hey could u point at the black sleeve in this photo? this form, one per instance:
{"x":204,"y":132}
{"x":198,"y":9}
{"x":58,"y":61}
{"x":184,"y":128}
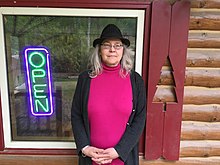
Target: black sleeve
{"x":77,"y":120}
{"x":134,"y":129}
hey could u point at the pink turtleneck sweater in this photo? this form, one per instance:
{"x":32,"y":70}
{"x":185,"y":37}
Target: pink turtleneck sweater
{"x":109,"y":108}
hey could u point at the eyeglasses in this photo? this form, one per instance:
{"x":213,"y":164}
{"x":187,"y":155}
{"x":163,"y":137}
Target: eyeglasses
{"x":109,"y":46}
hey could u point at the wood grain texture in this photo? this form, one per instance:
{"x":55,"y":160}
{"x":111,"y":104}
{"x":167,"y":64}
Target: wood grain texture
{"x":194,"y":76}
{"x":205,"y":4}
{"x":199,"y":148}
{"x":205,"y":113}
{"x":201,"y":57}
{"x":204,"y":39}
{"x":204,"y":19}
{"x":201,"y":95}
{"x":72,"y":160}
{"x":192,"y":95}
{"x":184,"y":161}
{"x":192,"y":130}
{"x":37,"y":160}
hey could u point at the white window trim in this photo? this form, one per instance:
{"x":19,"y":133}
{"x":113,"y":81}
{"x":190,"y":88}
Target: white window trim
{"x":139,"y":14}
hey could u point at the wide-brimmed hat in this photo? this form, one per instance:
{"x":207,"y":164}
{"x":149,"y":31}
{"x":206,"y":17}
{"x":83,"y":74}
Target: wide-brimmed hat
{"x":111,"y":31}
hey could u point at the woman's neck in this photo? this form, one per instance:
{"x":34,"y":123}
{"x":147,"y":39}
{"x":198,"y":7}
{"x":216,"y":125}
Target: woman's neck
{"x":111,"y":68}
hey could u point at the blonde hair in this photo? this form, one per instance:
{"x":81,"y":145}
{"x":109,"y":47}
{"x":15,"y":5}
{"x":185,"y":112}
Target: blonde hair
{"x":95,"y":63}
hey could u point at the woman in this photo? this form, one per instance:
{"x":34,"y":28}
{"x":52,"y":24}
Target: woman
{"x":109,"y":104}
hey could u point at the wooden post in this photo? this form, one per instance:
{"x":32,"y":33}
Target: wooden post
{"x":159,"y":44}
{"x":169,"y":36}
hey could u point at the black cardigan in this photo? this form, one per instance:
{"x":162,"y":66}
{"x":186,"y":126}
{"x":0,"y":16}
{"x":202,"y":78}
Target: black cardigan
{"x":127,"y":147}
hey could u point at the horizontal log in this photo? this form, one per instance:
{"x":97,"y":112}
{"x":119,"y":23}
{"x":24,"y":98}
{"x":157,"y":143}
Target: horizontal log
{"x":206,"y":77}
{"x":37,"y":159}
{"x":184,"y":161}
{"x":72,"y":160}
{"x":166,"y":77}
{"x":205,"y":4}
{"x":200,"y":57}
{"x":203,"y":39}
{"x":194,"y":76}
{"x":192,"y":95}
{"x":164,"y":94}
{"x":192,"y":130}
{"x":199,"y":148}
{"x":204,"y":19}
{"x":206,"y":113}
{"x":201,"y":95}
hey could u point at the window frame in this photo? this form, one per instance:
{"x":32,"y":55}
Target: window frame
{"x":83,"y":5}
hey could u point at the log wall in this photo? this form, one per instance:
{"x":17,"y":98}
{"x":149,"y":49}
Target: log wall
{"x":200,"y":133}
{"x":200,"y":137}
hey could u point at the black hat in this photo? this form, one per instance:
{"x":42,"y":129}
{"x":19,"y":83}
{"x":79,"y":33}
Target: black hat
{"x":111,"y":31}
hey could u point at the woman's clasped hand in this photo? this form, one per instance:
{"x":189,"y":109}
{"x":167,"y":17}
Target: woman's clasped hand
{"x":100,"y":156}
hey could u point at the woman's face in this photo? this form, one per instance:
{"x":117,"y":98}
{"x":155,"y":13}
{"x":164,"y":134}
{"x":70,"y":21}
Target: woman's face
{"x":111,"y":52}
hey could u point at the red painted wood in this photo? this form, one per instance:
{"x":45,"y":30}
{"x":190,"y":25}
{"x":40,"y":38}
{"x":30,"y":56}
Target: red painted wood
{"x":1,"y":127}
{"x":145,"y":66}
{"x":23,"y":151}
{"x":169,"y":32}
{"x":138,"y":4}
{"x":159,"y":45}
{"x":177,"y":55}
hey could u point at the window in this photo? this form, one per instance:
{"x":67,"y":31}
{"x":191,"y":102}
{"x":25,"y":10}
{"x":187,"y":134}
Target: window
{"x":68,"y":34}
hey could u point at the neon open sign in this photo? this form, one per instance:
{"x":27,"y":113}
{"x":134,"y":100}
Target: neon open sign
{"x":38,"y":79}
